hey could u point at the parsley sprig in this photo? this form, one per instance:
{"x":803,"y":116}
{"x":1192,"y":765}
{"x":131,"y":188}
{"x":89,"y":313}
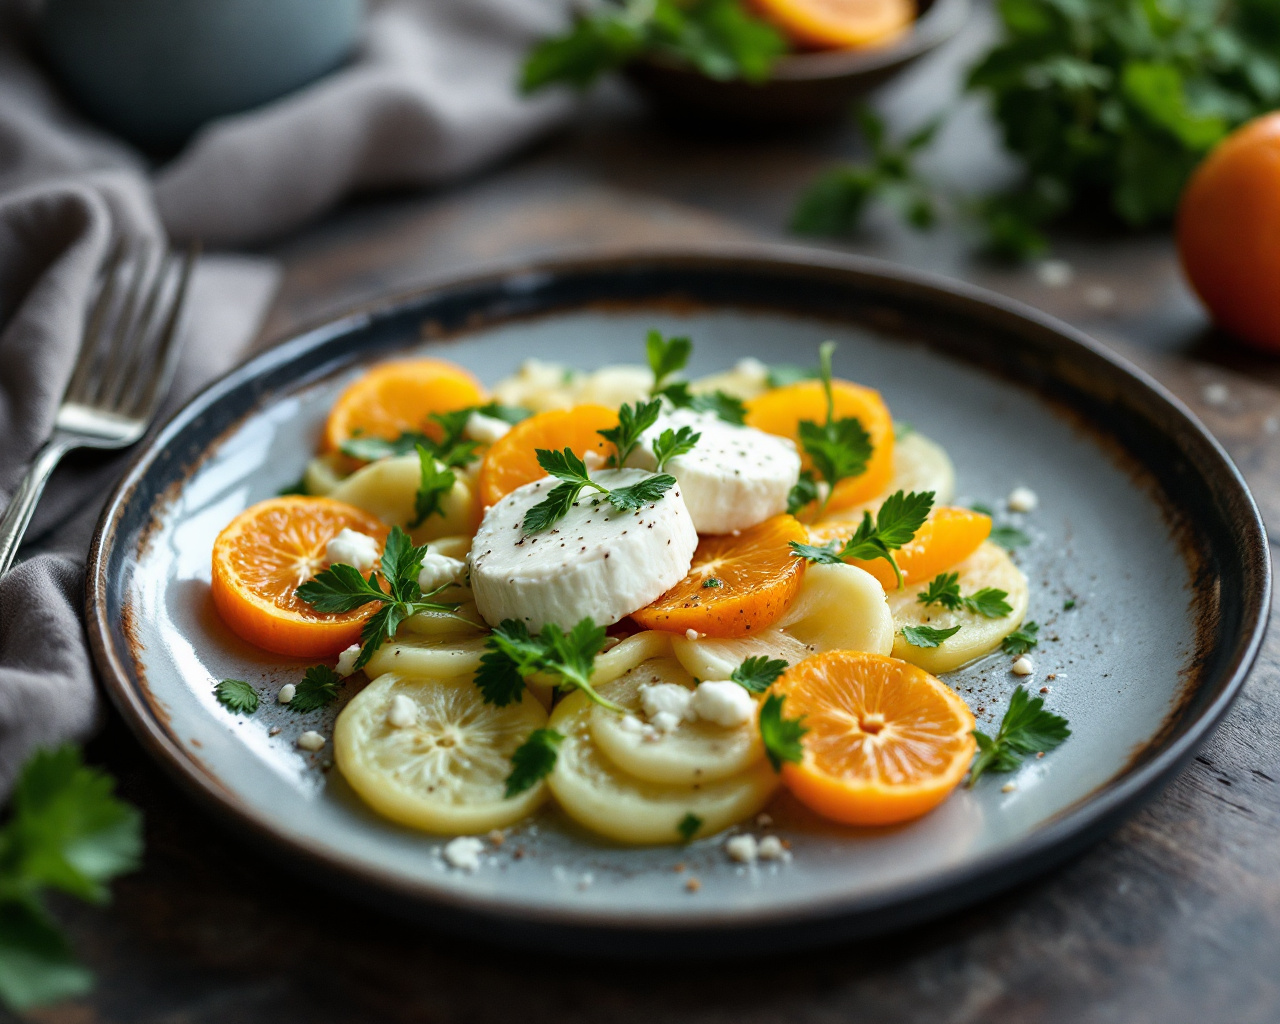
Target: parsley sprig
{"x":757,"y":674}
{"x":1021,"y":640}
{"x":944,"y":589}
{"x":1027,"y":728}
{"x":572,"y":472}
{"x":896,"y":523}
{"x":533,"y":760}
{"x":633,"y":420}
{"x":781,"y":735}
{"x":67,"y":831}
{"x":434,"y":483}
{"x":453,"y":449}
{"x":238,"y":696}
{"x":687,"y":827}
{"x":838,"y":449}
{"x":318,"y":688}
{"x":928,"y":636}
{"x":668,"y":356}
{"x":514,"y":654}
{"x":341,"y":588}
{"x":671,"y":443}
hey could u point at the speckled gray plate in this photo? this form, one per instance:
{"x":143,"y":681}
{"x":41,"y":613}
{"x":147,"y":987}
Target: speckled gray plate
{"x":1143,"y":523}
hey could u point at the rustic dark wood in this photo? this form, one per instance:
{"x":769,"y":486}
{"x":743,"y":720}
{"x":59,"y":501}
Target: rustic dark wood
{"x":1176,"y":918}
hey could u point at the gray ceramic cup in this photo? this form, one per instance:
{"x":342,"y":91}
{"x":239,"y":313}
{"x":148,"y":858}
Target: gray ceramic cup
{"x":155,"y":70}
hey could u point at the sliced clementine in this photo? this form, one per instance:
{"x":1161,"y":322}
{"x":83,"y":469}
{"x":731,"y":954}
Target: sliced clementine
{"x":512,"y":461}
{"x":737,"y":586}
{"x":263,"y":556}
{"x":780,"y":411}
{"x":398,"y":397}
{"x":840,"y":24}
{"x":948,"y":537}
{"x":887,"y":742}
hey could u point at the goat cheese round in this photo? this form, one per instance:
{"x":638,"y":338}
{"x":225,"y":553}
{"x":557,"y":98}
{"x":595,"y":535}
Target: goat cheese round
{"x":596,"y":562}
{"x":735,"y":476}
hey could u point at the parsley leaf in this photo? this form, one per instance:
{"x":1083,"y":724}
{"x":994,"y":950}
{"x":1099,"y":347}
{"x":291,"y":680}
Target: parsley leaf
{"x":66,"y":830}
{"x":944,"y":589}
{"x":721,"y":403}
{"x":1025,"y":729}
{"x":1008,"y":537}
{"x":803,"y":494}
{"x":896,"y":523}
{"x":672,"y":443}
{"x":237,"y":695}
{"x":688,"y":826}
{"x":371,"y":449}
{"x":927,"y":636}
{"x":837,"y":448}
{"x":514,"y":654}
{"x":641,"y":493}
{"x":781,"y":374}
{"x":989,"y":602}
{"x":435,"y":483}
{"x":318,"y":687}
{"x":533,"y":760}
{"x":667,"y":356}
{"x":781,"y":735}
{"x":633,"y":420}
{"x":510,"y":414}
{"x":1020,"y":641}
{"x":757,"y":674}
{"x":569,"y":468}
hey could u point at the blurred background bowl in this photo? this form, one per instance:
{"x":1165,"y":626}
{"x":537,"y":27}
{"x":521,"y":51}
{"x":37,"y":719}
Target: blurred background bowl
{"x":155,"y":70}
{"x":805,"y":88}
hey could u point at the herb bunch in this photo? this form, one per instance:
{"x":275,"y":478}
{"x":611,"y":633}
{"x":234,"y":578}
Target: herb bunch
{"x":669,"y":356}
{"x":572,"y":473}
{"x":898,"y":521}
{"x":514,"y":655}
{"x":1027,"y":728}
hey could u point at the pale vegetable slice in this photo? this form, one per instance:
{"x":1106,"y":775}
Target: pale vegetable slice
{"x":989,"y":566}
{"x":445,"y":773}
{"x":436,"y":656}
{"x":604,"y":798}
{"x":438,"y":624}
{"x":692,"y":752}
{"x":324,"y":473}
{"x":919,"y":464}
{"x":839,"y":608}
{"x":388,"y":487}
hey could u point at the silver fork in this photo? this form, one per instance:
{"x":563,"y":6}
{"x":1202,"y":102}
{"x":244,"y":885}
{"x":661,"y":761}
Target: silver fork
{"x":124,"y":369}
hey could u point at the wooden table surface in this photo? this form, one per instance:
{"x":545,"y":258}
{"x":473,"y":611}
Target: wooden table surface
{"x":1175,"y":918}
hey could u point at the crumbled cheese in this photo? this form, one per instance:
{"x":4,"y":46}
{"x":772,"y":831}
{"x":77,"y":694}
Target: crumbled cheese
{"x":771,"y":848}
{"x":347,"y":661}
{"x":691,"y":634}
{"x":593,"y":460}
{"x":1024,"y":666}
{"x":463,"y":852}
{"x":311,"y":740}
{"x":1023,"y":499}
{"x":666,"y":705}
{"x":285,"y":693}
{"x":1055,"y":273}
{"x":351,"y":547}
{"x":403,"y":712}
{"x":743,"y":849}
{"x":723,"y":702}
{"x":631,"y":724}
{"x":485,"y":429}
{"x":438,"y":569}
{"x":752,"y":368}
{"x":665,"y":721}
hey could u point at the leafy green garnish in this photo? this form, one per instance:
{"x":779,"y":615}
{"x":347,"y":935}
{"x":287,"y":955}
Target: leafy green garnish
{"x":453,"y":449}
{"x":722,"y":404}
{"x":1068,"y":604}
{"x":1025,"y":729}
{"x":896,"y":523}
{"x":1008,"y":537}
{"x":567,"y":467}
{"x":757,"y":674}
{"x":533,"y":761}
{"x":803,"y":494}
{"x":781,"y":735}
{"x":633,"y":420}
{"x":667,"y":357}
{"x":434,"y":484}
{"x":717,"y":37}
{"x":781,"y":374}
{"x":712,"y":582}
{"x":341,"y":588}
{"x":1021,"y":640}
{"x":672,"y":443}
{"x":838,"y":448}
{"x":944,"y":589}
{"x":928,"y":636}
{"x":688,"y":826}
{"x":510,"y":414}
{"x":318,"y":687}
{"x":514,"y":654}
{"x":237,"y":695}
{"x":67,"y":831}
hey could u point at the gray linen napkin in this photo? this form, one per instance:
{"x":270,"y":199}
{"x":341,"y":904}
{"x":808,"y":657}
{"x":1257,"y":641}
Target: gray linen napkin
{"x":428,"y":98}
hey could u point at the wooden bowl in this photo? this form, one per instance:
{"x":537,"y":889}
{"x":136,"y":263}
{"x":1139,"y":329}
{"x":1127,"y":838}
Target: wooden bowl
{"x":805,"y":88}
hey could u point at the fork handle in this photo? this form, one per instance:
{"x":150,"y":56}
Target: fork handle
{"x":16,"y":518}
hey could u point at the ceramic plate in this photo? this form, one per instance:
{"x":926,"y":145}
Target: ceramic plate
{"x":1143,"y":523}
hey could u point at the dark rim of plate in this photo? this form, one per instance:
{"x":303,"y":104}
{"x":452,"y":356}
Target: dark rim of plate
{"x":996,"y":334}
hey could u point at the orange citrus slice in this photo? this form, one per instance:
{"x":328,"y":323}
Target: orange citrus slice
{"x":780,"y":411}
{"x":948,"y":537}
{"x":265,"y":554}
{"x":737,"y":586}
{"x":887,"y":742}
{"x":512,"y":460}
{"x":840,"y":24}
{"x":397,"y":398}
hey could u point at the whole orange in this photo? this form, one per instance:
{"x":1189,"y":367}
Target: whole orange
{"x":1229,"y":232}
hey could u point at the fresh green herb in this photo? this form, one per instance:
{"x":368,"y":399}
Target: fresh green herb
{"x":989,"y":602}
{"x":720,"y":403}
{"x":434,"y":484}
{"x":514,"y":654}
{"x":688,"y":826}
{"x":896,"y":523}
{"x":838,"y":448}
{"x":781,"y":735}
{"x":984,"y":510}
{"x":318,"y":687}
{"x":567,"y":467}
{"x":672,"y":443}
{"x":927,"y":636}
{"x":533,"y":760}
{"x":1020,"y":641}
{"x":719,"y":38}
{"x":803,"y":494}
{"x":667,"y":356}
{"x":1027,"y":728}
{"x":711,"y":582}
{"x":835,"y":203}
{"x":633,"y":420}
{"x":1008,"y":537}
{"x":371,"y":449}
{"x":780,"y":375}
{"x":453,"y":449}
{"x":944,"y":589}
{"x":1068,"y":604}
{"x":341,"y":588}
{"x":510,"y":414}
{"x":237,"y":695}
{"x":67,"y":831}
{"x":757,"y":674}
